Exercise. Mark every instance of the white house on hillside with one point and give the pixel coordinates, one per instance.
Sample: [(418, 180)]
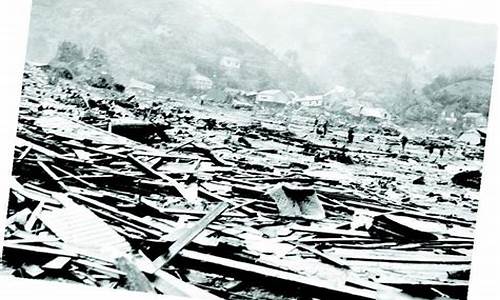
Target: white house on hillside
[(310, 101), (229, 62), (199, 82)]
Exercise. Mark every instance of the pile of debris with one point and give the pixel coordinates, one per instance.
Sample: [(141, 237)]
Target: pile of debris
[(211, 205)]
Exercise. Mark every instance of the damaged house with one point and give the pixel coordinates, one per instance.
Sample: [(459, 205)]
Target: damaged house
[(199, 82), (310, 101), (272, 98)]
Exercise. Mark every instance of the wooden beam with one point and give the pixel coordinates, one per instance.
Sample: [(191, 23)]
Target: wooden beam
[(24, 154), (111, 209), (332, 259), (74, 177), (189, 235), (39, 249), (53, 176), (317, 286), (172, 286), (155, 174), (332, 231), (136, 280)]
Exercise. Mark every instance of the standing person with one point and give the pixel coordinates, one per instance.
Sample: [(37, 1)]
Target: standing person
[(350, 135), (325, 127), (431, 148), (315, 123), (404, 141), (441, 152)]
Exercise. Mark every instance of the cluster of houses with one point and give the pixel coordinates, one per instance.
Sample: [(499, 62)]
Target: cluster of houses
[(339, 99), (196, 82)]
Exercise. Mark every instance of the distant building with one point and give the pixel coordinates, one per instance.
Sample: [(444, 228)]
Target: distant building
[(216, 95), (448, 116), (310, 101), (368, 112), (232, 92), (374, 113), (473, 137), (249, 96), (272, 97), (474, 120), (229, 62), (135, 84), (199, 82)]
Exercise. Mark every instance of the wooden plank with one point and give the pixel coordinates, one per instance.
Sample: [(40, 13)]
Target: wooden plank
[(45, 151), (154, 233), (32, 271), (20, 217), (189, 235), (136, 280), (57, 263), (24, 154), (32, 194), (317, 285), (330, 231), (34, 216), (77, 226), (164, 282), (397, 256), (211, 196), (39, 249), (407, 213), (342, 240), (332, 259), (111, 209), (53, 176), (75, 177), (93, 149), (172, 286), (112, 272), (179, 146), (190, 197), (190, 212)]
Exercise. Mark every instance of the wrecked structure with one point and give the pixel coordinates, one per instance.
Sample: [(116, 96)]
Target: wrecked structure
[(217, 204)]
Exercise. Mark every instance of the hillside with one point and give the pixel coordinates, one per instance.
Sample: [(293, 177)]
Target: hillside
[(162, 43), (468, 96), (328, 39)]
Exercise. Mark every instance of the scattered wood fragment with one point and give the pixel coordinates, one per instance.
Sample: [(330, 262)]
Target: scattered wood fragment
[(318, 286), (189, 235)]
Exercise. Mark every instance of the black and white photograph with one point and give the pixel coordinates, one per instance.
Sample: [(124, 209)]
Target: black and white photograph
[(249, 149)]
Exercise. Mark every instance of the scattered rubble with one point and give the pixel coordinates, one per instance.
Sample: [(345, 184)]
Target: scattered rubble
[(470, 179), (191, 200)]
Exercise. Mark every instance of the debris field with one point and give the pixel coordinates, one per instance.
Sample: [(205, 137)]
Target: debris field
[(208, 202)]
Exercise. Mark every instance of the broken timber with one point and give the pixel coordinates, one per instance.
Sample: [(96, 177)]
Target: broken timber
[(317, 286), (190, 234)]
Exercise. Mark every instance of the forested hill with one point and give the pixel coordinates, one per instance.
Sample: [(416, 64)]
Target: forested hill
[(159, 42)]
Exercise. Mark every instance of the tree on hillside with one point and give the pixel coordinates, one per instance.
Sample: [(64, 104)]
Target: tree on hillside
[(464, 89), (68, 52), (97, 58)]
